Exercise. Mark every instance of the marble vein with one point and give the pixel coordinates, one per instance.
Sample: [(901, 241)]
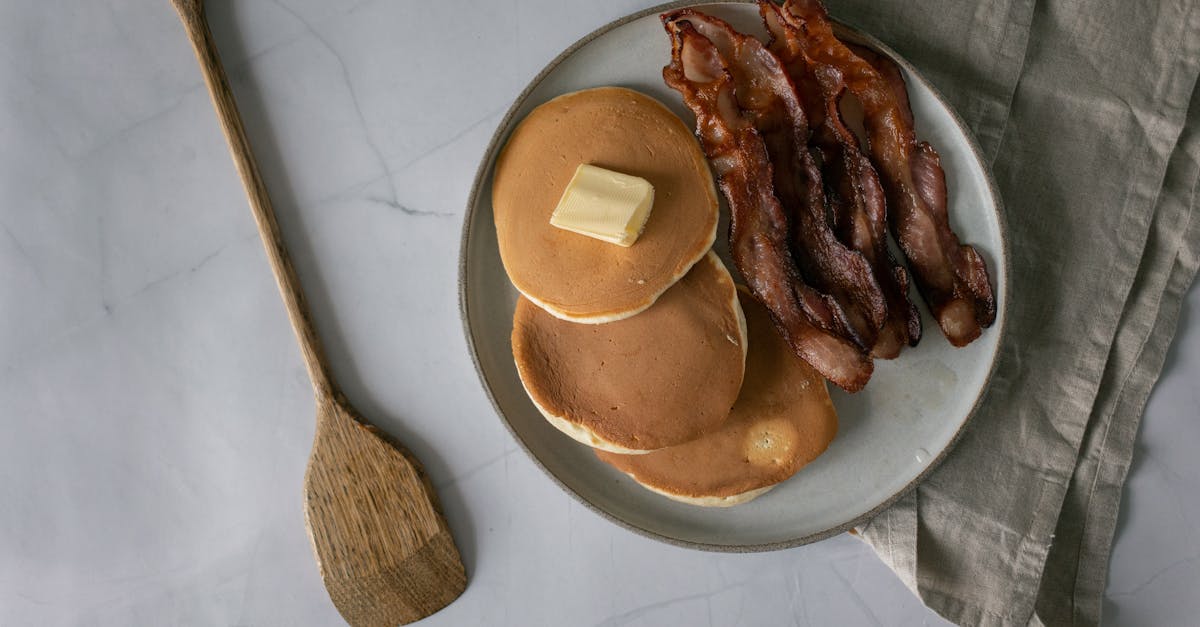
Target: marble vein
[(405, 209), (797, 602), (472, 471), (22, 252), (119, 135), (170, 276), (18, 358), (38, 112), (1155, 577), (1171, 479), (107, 306), (356, 187), (249, 579), (857, 598), (489, 116), (195, 89), (34, 600), (625, 618), (102, 248), (393, 200)]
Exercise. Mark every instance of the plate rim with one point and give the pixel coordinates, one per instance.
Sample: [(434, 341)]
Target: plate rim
[(1001, 327)]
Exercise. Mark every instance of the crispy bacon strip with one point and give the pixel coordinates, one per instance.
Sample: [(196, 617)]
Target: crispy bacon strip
[(758, 227), (858, 209), (766, 94), (891, 75), (951, 276)]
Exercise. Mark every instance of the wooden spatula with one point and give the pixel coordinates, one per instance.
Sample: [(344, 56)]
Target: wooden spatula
[(382, 546)]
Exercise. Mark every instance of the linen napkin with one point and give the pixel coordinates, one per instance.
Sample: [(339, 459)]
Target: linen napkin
[(1089, 112)]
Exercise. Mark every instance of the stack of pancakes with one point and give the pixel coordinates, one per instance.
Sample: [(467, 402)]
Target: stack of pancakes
[(649, 354)]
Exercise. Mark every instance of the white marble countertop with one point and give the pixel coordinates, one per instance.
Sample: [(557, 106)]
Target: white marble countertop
[(155, 414)]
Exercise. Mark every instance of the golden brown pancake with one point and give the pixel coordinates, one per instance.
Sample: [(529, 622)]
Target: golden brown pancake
[(576, 277), (782, 420), (662, 377)]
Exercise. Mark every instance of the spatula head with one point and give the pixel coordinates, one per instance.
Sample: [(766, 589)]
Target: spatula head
[(382, 545)]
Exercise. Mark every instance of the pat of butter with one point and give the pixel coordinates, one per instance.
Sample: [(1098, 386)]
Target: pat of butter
[(606, 205)]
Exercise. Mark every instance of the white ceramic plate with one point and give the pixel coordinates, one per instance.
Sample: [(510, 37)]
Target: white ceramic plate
[(890, 435)]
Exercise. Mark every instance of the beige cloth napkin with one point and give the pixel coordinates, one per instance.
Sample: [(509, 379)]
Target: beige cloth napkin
[(1089, 112)]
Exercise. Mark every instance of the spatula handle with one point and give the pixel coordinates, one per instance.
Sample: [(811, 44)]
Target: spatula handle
[(191, 12)]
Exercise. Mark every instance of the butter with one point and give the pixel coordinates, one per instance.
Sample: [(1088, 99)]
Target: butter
[(606, 205)]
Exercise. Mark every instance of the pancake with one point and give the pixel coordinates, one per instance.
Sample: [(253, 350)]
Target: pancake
[(662, 377), (575, 277), (782, 420)]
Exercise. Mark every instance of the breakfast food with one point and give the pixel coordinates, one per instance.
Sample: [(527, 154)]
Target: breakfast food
[(609, 206), (856, 199), (662, 377), (767, 96), (782, 420), (616, 350), (629, 336), (951, 276), (758, 231), (836, 294), (575, 277)]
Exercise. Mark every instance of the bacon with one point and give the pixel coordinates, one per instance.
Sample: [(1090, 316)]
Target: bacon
[(758, 233), (859, 212), (951, 276), (891, 75), (766, 94)]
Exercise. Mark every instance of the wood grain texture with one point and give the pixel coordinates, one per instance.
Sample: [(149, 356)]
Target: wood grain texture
[(382, 546)]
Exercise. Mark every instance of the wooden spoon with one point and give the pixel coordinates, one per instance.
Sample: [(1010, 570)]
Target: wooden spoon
[(382, 546)]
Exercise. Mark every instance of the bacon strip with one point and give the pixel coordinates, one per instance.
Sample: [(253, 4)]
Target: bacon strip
[(951, 276), (891, 75), (859, 211), (766, 94), (758, 227)]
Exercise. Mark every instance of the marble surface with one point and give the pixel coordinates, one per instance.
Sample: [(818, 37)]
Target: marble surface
[(155, 414)]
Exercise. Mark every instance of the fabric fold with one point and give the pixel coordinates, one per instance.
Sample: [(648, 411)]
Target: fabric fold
[(1082, 140), (1073, 586)]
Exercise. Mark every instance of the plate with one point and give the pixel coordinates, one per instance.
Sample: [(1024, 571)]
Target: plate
[(891, 434)]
